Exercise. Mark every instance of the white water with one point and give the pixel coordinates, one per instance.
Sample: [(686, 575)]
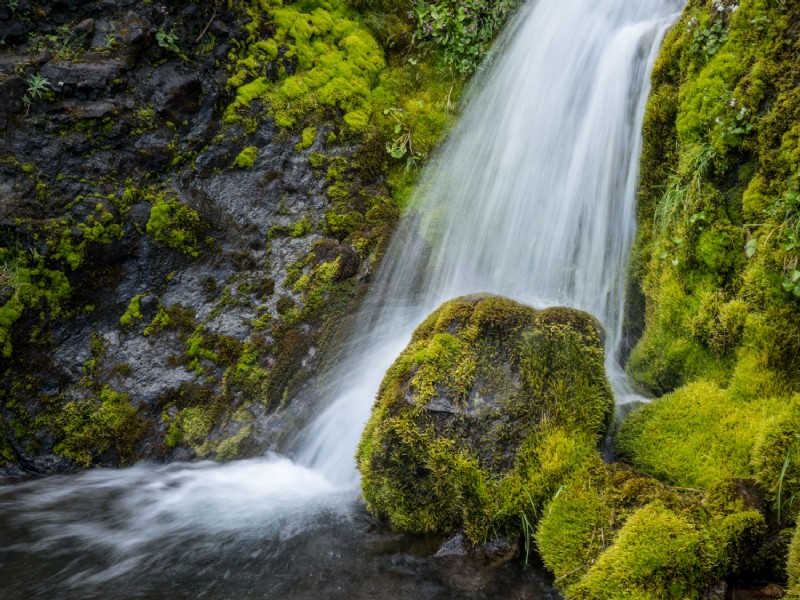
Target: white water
[(532, 197)]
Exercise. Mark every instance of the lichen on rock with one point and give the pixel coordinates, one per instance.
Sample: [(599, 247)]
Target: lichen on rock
[(488, 411)]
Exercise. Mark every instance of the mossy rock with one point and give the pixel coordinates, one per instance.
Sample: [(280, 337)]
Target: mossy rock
[(488, 411), (621, 534)]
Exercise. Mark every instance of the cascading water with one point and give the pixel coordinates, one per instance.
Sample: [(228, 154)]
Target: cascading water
[(532, 197)]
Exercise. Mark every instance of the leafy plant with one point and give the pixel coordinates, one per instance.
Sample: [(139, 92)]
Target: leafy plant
[(12, 5), (401, 146), (461, 30), (38, 85), (168, 41), (786, 210), (709, 40), (65, 43), (791, 280)]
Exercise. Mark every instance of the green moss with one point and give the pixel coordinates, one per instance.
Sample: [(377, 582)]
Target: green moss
[(336, 64), (229, 448), (793, 564), (295, 230), (776, 459), (317, 160), (26, 284), (191, 426), (175, 225), (656, 555), (133, 312), (695, 436), (306, 138), (621, 535), (246, 158), (85, 429), (529, 386), (718, 173)]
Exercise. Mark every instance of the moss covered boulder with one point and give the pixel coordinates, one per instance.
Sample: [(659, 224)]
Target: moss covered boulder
[(621, 534), (490, 409)]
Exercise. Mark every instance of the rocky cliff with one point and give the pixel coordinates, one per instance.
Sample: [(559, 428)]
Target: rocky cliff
[(194, 196)]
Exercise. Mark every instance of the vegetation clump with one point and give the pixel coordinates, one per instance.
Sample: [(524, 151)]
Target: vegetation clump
[(715, 263), (621, 534), (175, 225), (246, 158), (488, 411)]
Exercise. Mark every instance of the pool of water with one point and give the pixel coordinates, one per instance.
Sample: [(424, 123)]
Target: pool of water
[(262, 528)]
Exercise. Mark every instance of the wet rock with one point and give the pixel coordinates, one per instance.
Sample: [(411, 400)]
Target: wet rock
[(12, 91), (82, 33), (177, 94), (124, 131), (471, 568), (97, 109), (69, 76)]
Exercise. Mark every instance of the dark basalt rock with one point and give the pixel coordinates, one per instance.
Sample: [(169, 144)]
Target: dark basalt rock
[(170, 326)]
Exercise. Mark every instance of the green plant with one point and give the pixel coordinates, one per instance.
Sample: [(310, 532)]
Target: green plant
[(709, 40), (780, 481), (786, 210), (111, 37), (65, 44), (401, 146), (38, 85), (12, 5), (461, 31), (168, 41)]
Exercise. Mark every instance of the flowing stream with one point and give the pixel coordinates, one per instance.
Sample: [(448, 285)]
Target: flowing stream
[(532, 197)]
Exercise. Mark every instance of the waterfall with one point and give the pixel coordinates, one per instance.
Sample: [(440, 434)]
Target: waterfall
[(533, 196)]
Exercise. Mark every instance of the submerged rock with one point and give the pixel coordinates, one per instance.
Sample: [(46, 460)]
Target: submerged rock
[(488, 411)]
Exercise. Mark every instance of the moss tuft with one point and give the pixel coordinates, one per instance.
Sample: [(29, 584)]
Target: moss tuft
[(246, 158), (175, 225)]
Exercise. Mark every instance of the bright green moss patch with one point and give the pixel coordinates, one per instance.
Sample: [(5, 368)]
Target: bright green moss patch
[(656, 555), (175, 225), (619, 534), (330, 62), (719, 211), (307, 138), (695, 436), (490, 408), (85, 429), (246, 158), (25, 283), (133, 312)]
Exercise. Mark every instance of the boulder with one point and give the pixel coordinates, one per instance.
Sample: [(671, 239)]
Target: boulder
[(490, 408)]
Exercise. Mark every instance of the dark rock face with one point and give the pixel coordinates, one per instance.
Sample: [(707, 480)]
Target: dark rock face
[(489, 410), (153, 286)]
